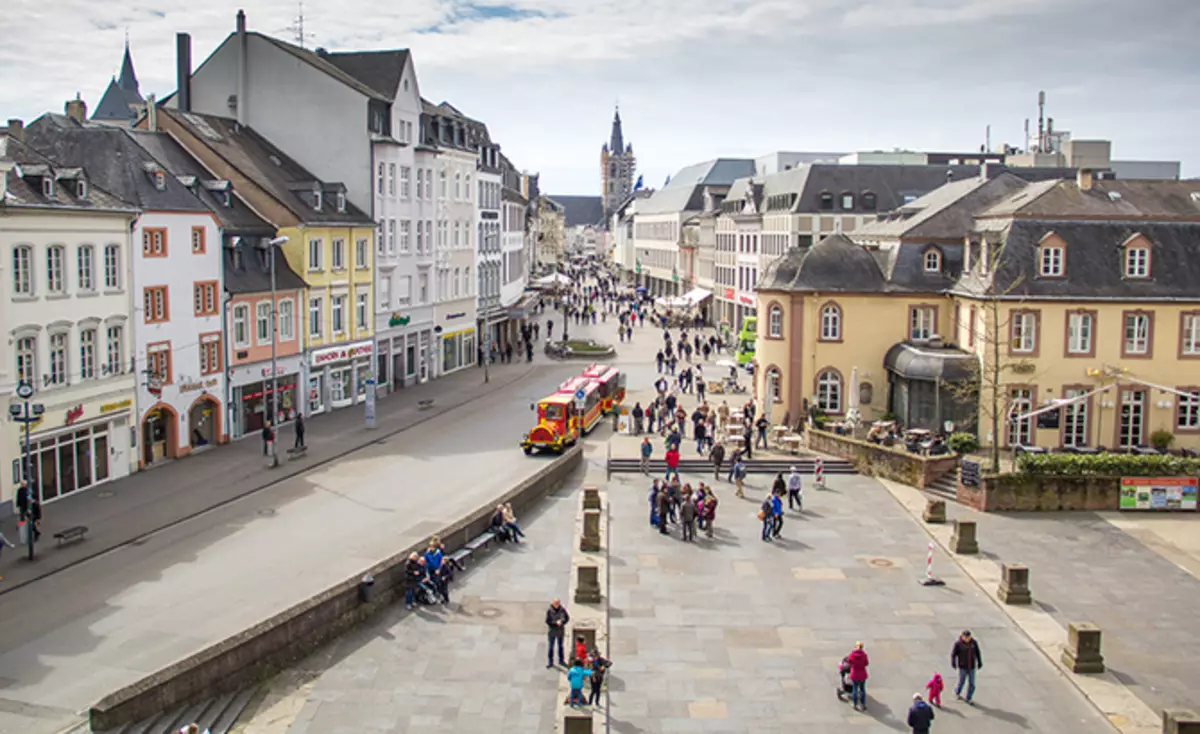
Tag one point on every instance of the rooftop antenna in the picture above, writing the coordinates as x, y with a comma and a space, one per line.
987, 140
1041, 146
1026, 134
297, 27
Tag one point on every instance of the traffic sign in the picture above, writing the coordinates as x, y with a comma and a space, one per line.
580, 394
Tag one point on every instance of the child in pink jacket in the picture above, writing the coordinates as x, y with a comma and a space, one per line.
935, 686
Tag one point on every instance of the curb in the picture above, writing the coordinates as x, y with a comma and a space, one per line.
276, 480
1118, 721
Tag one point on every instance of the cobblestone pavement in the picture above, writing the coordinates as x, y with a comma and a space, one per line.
734, 634
474, 666
1084, 568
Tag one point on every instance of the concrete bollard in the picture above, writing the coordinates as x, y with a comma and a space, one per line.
1014, 584
935, 512
590, 540
577, 721
1082, 653
1181, 721
964, 540
591, 498
587, 585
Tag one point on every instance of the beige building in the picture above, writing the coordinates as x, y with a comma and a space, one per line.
550, 246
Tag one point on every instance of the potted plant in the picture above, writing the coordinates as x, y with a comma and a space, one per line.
1162, 439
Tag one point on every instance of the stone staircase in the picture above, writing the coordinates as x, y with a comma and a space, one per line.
214, 716
945, 487
805, 465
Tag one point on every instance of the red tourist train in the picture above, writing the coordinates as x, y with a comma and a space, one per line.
575, 408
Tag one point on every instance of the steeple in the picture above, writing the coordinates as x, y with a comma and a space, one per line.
617, 144
128, 80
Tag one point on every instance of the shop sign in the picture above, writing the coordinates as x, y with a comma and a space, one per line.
73, 414
745, 300
114, 407
279, 370
453, 316
1158, 493
398, 320
194, 386
727, 294
341, 353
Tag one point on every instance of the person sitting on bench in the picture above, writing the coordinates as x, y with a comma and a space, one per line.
502, 533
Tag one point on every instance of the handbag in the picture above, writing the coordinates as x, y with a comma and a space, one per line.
762, 515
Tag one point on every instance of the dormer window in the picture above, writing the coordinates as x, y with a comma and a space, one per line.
341, 202
81, 191
868, 201
933, 260
317, 199
825, 201
227, 199
847, 200
1137, 262
1051, 256
160, 180
48, 187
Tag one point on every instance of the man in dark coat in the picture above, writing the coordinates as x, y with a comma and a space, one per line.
966, 658
920, 716
717, 456
556, 627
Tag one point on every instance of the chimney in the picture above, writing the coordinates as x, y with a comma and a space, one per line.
1084, 179
183, 72
243, 80
152, 114
76, 109
16, 130
990, 169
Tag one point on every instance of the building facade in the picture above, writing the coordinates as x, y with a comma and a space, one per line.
65, 287
489, 208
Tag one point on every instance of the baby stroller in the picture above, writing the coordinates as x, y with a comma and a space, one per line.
843, 690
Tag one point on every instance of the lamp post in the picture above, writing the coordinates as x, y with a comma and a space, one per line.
277, 242
27, 413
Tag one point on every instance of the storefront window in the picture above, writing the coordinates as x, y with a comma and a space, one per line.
69, 462
315, 404
364, 374
468, 348
450, 352
340, 385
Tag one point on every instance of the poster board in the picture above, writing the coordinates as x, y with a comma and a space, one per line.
1158, 493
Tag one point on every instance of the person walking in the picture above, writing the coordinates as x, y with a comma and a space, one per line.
747, 440
920, 716
795, 490
709, 510
739, 474
664, 509
762, 424
298, 427
654, 504
779, 486
638, 414
776, 513
966, 657
858, 661
647, 450
268, 435
766, 514
3, 542
556, 627
672, 458
687, 514
717, 457
700, 433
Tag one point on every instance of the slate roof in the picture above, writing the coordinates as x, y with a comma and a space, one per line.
1094, 265
1127, 200
835, 264
247, 269
581, 210
278, 174
321, 64
684, 192
379, 70
112, 159
947, 212
23, 187
235, 219
122, 93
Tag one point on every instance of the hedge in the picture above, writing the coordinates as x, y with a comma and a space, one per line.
1108, 465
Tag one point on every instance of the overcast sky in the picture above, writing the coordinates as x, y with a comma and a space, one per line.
695, 79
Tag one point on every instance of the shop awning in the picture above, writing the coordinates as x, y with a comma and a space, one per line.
945, 364
697, 295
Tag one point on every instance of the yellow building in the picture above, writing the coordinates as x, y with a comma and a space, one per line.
330, 244
1076, 298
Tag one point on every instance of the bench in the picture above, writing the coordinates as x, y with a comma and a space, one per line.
71, 535
480, 542
460, 555
425, 404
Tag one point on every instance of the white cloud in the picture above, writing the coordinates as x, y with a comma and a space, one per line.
695, 78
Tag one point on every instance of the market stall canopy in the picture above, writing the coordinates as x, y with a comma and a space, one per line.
673, 301
696, 296
553, 279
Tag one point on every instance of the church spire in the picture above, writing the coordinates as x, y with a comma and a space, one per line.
617, 144
128, 80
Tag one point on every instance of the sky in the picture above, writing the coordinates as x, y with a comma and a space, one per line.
695, 79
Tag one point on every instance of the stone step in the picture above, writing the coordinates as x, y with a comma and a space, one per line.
215, 716
755, 466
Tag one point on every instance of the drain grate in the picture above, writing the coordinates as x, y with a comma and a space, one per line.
268, 512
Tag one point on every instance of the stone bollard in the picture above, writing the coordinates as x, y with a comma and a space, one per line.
964, 541
1181, 721
587, 585
591, 498
935, 512
590, 541
577, 721
1082, 653
1014, 584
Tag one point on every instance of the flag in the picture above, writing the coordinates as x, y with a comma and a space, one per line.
668, 180
639, 184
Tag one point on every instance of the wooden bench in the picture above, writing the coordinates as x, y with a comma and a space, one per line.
71, 535
480, 542
425, 404
460, 555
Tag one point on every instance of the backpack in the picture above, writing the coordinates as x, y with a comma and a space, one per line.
766, 507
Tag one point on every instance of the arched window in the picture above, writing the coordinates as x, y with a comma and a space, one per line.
775, 321
831, 323
774, 384
829, 391
933, 260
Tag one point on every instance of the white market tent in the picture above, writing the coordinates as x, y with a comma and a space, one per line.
696, 296
552, 280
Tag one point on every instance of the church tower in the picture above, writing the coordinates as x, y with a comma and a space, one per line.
617, 166
122, 103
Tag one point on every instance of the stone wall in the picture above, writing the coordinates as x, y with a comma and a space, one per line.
1038, 493
874, 460
272, 645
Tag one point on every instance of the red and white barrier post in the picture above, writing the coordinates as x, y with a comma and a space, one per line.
819, 474
929, 579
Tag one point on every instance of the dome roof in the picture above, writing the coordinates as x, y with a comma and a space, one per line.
833, 264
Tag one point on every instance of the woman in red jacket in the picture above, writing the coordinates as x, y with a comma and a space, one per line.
858, 676
672, 458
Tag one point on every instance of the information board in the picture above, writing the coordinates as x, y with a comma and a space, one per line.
969, 473
1158, 493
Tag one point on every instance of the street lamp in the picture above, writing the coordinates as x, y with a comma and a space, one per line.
27, 413
272, 244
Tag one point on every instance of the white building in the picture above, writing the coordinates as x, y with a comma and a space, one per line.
177, 324
64, 315
513, 237
490, 262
